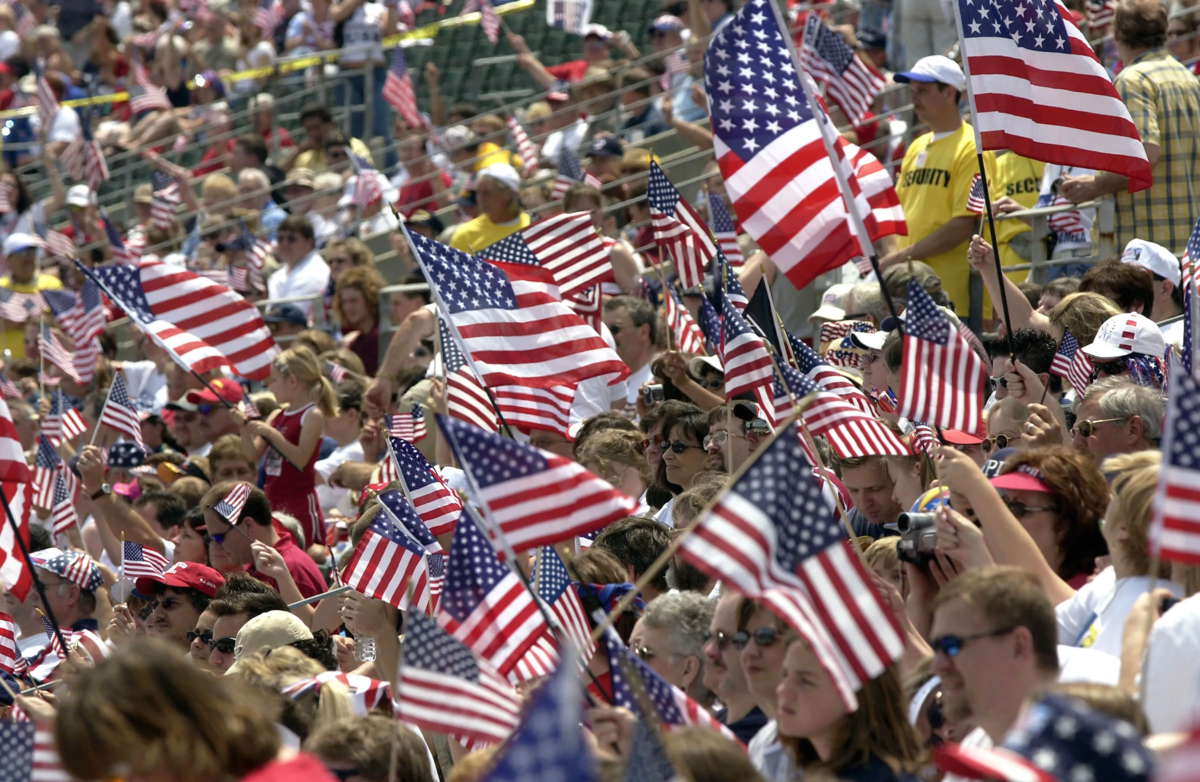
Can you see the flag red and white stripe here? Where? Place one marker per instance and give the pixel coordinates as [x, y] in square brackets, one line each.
[8, 644]
[1175, 528]
[524, 408]
[15, 482]
[849, 81]
[525, 148]
[572, 249]
[688, 337]
[678, 229]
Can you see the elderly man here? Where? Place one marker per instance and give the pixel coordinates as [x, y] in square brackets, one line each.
[1115, 415]
[723, 445]
[498, 191]
[670, 639]
[304, 271]
[723, 672]
[70, 580]
[254, 187]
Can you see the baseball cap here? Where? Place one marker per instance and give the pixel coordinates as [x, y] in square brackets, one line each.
[1154, 258]
[698, 364]
[422, 217]
[74, 566]
[300, 177]
[871, 39]
[935, 68]
[1025, 478]
[597, 31]
[666, 22]
[15, 243]
[456, 137]
[504, 174]
[225, 389]
[959, 437]
[269, 631]
[144, 194]
[286, 313]
[1127, 333]
[996, 459]
[872, 340]
[606, 146]
[183, 575]
[80, 195]
[833, 302]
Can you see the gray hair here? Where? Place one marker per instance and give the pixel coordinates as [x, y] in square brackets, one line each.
[1120, 397]
[686, 616]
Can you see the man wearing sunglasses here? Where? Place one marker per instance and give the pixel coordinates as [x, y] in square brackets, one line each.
[1115, 415]
[723, 672]
[232, 613]
[994, 639]
[177, 598]
[634, 327]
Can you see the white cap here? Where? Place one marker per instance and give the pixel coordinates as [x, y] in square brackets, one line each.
[15, 243]
[504, 174]
[1154, 258]
[935, 68]
[833, 302]
[80, 195]
[698, 363]
[598, 30]
[1127, 333]
[870, 341]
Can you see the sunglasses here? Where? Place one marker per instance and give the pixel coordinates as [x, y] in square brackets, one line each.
[1000, 442]
[1110, 367]
[1020, 509]
[713, 384]
[205, 637]
[951, 645]
[204, 409]
[167, 604]
[615, 329]
[998, 382]
[222, 645]
[1086, 428]
[763, 637]
[720, 639]
[646, 653]
[679, 446]
[656, 441]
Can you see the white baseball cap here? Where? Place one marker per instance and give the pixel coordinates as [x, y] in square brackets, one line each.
[80, 195]
[598, 30]
[504, 174]
[19, 242]
[872, 340]
[935, 68]
[833, 302]
[1127, 333]
[1154, 258]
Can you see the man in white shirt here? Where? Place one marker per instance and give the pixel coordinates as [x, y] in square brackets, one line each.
[304, 271]
[633, 324]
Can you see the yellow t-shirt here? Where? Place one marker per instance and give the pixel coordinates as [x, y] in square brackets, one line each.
[1020, 179]
[935, 180]
[314, 159]
[12, 335]
[474, 235]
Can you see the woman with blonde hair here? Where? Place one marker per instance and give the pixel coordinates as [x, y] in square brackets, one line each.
[356, 307]
[616, 456]
[1005, 424]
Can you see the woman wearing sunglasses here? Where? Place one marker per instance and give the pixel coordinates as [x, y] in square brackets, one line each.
[760, 641]
[683, 455]
[1005, 422]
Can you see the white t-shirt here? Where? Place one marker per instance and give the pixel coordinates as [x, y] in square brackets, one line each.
[328, 496]
[1095, 617]
[65, 127]
[361, 38]
[1171, 669]
[309, 278]
[1172, 331]
[768, 756]
[569, 137]
[634, 383]
[147, 386]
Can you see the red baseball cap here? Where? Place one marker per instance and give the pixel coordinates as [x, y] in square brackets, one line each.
[959, 437]
[228, 390]
[1025, 478]
[183, 575]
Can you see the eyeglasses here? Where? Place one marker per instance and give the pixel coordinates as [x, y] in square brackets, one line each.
[719, 638]
[714, 384]
[167, 604]
[1086, 428]
[204, 409]
[1020, 509]
[720, 438]
[205, 637]
[1000, 441]
[679, 446]
[615, 329]
[656, 441]
[951, 645]
[646, 653]
[222, 645]
[762, 638]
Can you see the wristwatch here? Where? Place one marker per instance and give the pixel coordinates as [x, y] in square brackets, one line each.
[104, 491]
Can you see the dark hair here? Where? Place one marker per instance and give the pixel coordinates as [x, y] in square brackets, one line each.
[641, 312]
[251, 604]
[319, 648]
[893, 351]
[169, 509]
[1125, 284]
[257, 508]
[1141, 24]
[39, 538]
[1032, 347]
[637, 541]
[297, 224]
[670, 407]
[315, 110]
[108, 343]
[253, 144]
[241, 584]
[337, 139]
[377, 747]
[349, 394]
[416, 277]
[694, 424]
[199, 600]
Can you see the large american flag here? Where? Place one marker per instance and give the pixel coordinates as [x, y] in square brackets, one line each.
[385, 561]
[568, 245]
[427, 586]
[29, 753]
[62, 509]
[688, 337]
[1175, 531]
[52, 351]
[466, 399]
[724, 230]
[203, 324]
[120, 251]
[163, 199]
[569, 15]
[535, 498]
[774, 538]
[743, 353]
[434, 501]
[514, 327]
[485, 605]
[15, 482]
[525, 408]
[943, 382]
[678, 229]
[445, 688]
[850, 82]
[525, 148]
[768, 142]
[1072, 363]
[570, 173]
[1038, 90]
[119, 412]
[139, 560]
[398, 90]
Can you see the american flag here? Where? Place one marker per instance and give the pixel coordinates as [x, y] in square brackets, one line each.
[163, 200]
[826, 377]
[676, 63]
[849, 81]
[850, 431]
[1013, 105]
[586, 304]
[80, 317]
[84, 159]
[405, 15]
[62, 509]
[29, 752]
[26, 21]
[1100, 13]
[553, 585]
[202, 324]
[52, 350]
[743, 353]
[15, 481]
[47, 102]
[923, 438]
[119, 412]
[249, 409]
[525, 408]
[466, 399]
[1072, 363]
[568, 245]
[142, 561]
[120, 252]
[398, 90]
[6, 194]
[485, 605]
[385, 561]
[569, 15]
[730, 283]
[774, 538]
[535, 498]
[408, 426]
[489, 21]
[434, 501]
[1189, 346]
[231, 505]
[20, 307]
[445, 688]
[84, 359]
[975, 202]
[9, 389]
[59, 244]
[257, 254]
[367, 189]
[365, 693]
[148, 97]
[837, 329]
[63, 422]
[1175, 532]
[267, 17]
[688, 337]
[513, 325]
[724, 230]
[943, 380]
[428, 586]
[52, 641]
[525, 150]
[678, 229]
[570, 173]
[337, 373]
[768, 142]
[710, 325]
[8, 644]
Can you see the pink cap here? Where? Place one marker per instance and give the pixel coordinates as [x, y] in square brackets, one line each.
[1025, 478]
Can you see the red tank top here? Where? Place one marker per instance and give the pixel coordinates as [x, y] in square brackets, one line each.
[290, 490]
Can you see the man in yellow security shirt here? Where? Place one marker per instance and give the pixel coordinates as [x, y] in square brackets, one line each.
[1017, 185]
[498, 191]
[935, 179]
[21, 253]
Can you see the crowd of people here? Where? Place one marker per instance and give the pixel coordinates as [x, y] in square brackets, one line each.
[199, 583]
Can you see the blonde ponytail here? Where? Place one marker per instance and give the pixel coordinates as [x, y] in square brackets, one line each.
[304, 366]
[326, 398]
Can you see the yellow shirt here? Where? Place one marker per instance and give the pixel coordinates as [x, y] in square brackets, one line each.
[1020, 179]
[314, 159]
[473, 236]
[935, 180]
[489, 153]
[12, 335]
